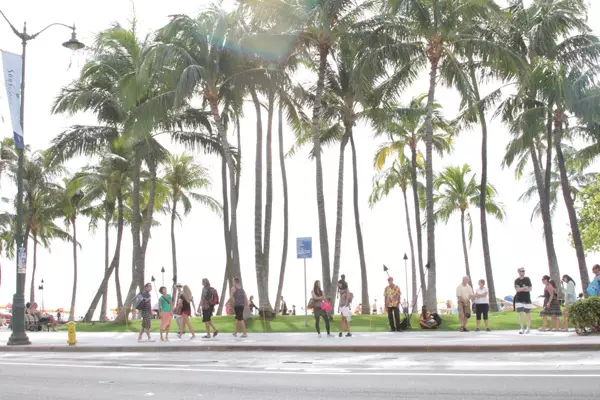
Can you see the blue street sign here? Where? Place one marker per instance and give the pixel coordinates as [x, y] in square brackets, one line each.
[304, 247]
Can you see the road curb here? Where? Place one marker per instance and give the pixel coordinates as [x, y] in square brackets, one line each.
[327, 349]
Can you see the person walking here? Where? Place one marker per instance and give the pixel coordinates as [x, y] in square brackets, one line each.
[391, 301]
[318, 298]
[145, 308]
[252, 305]
[240, 303]
[344, 307]
[551, 305]
[186, 311]
[165, 315]
[482, 305]
[570, 298]
[207, 305]
[522, 299]
[464, 294]
[283, 307]
[594, 288]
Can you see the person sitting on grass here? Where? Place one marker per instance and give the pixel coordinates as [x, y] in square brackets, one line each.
[426, 320]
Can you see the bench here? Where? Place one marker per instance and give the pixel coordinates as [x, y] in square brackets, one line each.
[33, 323]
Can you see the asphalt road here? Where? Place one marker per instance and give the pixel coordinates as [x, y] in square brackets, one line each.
[290, 376]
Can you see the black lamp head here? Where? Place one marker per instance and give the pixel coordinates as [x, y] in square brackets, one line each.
[162, 270]
[152, 278]
[73, 43]
[385, 269]
[405, 257]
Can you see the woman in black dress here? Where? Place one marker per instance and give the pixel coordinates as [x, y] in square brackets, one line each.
[551, 305]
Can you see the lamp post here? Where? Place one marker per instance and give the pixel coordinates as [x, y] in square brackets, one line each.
[405, 258]
[41, 288]
[162, 271]
[18, 336]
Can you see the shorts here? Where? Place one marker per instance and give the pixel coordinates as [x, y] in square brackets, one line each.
[523, 307]
[165, 321]
[146, 319]
[239, 313]
[482, 309]
[346, 313]
[464, 309]
[207, 314]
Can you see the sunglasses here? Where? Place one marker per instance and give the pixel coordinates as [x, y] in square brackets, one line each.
[521, 270]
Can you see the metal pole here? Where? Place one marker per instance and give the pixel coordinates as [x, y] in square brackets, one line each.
[305, 300]
[406, 277]
[18, 336]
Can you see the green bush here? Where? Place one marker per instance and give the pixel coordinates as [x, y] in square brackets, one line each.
[585, 315]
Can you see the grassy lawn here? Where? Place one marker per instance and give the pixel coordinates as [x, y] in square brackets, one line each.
[359, 323]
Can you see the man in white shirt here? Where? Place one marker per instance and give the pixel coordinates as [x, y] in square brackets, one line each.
[464, 294]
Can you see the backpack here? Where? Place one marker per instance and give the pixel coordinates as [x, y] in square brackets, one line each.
[239, 297]
[137, 301]
[437, 318]
[593, 288]
[213, 296]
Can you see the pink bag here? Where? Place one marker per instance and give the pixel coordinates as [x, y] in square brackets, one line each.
[326, 306]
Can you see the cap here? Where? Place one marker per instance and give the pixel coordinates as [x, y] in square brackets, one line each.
[390, 279]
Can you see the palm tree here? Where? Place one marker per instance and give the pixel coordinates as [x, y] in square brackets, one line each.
[405, 127]
[399, 175]
[182, 177]
[456, 192]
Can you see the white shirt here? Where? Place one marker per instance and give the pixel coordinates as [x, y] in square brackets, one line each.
[481, 300]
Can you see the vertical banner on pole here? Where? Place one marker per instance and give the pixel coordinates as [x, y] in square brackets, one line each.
[22, 259]
[12, 68]
[304, 251]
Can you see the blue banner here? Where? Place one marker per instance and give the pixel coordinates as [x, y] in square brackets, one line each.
[12, 68]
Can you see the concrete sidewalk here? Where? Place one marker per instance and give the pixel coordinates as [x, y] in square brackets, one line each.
[410, 341]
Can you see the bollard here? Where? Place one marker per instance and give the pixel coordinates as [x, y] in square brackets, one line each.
[72, 335]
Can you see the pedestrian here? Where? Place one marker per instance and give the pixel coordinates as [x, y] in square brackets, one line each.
[404, 306]
[252, 305]
[240, 303]
[570, 298]
[391, 301]
[551, 305]
[164, 310]
[522, 299]
[145, 307]
[358, 309]
[482, 305]
[344, 307]
[464, 294]
[375, 307]
[283, 307]
[293, 310]
[207, 304]
[318, 298]
[176, 304]
[594, 288]
[186, 311]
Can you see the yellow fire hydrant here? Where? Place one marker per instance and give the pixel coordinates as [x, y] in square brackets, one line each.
[72, 335]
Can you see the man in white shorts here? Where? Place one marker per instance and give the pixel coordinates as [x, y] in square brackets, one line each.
[523, 299]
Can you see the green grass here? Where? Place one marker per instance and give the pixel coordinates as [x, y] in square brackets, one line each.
[359, 323]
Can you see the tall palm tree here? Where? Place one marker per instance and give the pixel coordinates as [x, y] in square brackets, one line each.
[456, 191]
[182, 177]
[405, 127]
[399, 175]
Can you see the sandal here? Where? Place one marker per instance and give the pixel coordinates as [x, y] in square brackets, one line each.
[215, 333]
[206, 337]
[245, 335]
[234, 334]
[543, 330]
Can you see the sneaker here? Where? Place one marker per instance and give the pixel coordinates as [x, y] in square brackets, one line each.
[245, 335]
[329, 335]
[462, 329]
[341, 334]
[151, 340]
[477, 330]
[466, 330]
[487, 330]
[528, 331]
[318, 335]
[141, 341]
[234, 334]
[193, 337]
[206, 337]
[215, 333]
[348, 334]
[521, 332]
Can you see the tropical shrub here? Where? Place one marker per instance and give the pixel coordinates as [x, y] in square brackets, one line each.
[585, 315]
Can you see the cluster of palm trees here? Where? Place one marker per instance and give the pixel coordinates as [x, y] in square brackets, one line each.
[190, 79]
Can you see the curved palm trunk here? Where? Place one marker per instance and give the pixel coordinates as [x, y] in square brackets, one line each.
[434, 52]
[226, 233]
[104, 306]
[419, 228]
[487, 259]
[173, 243]
[32, 289]
[120, 221]
[268, 199]
[359, 237]
[412, 255]
[546, 217]
[114, 265]
[337, 253]
[317, 111]
[74, 295]
[285, 205]
[464, 245]
[564, 183]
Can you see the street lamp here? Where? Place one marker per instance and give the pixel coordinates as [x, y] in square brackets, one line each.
[18, 336]
[405, 258]
[162, 271]
[41, 289]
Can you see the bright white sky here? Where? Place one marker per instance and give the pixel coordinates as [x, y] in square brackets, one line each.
[516, 242]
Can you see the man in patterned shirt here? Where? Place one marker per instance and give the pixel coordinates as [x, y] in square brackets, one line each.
[391, 298]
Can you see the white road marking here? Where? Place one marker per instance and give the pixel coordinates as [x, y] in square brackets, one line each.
[295, 372]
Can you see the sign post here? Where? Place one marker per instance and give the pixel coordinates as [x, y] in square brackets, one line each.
[304, 251]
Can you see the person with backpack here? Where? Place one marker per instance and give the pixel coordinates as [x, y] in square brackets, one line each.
[240, 303]
[208, 300]
[186, 311]
[344, 307]
[594, 287]
[164, 312]
[143, 303]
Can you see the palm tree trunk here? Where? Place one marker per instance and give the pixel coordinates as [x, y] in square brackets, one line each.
[173, 243]
[117, 256]
[546, 217]
[152, 169]
[359, 236]
[104, 306]
[337, 253]
[268, 197]
[419, 228]
[412, 255]
[487, 259]
[464, 244]
[434, 49]
[32, 292]
[226, 233]
[74, 295]
[566, 190]
[285, 204]
[223, 292]
[549, 148]
[317, 116]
